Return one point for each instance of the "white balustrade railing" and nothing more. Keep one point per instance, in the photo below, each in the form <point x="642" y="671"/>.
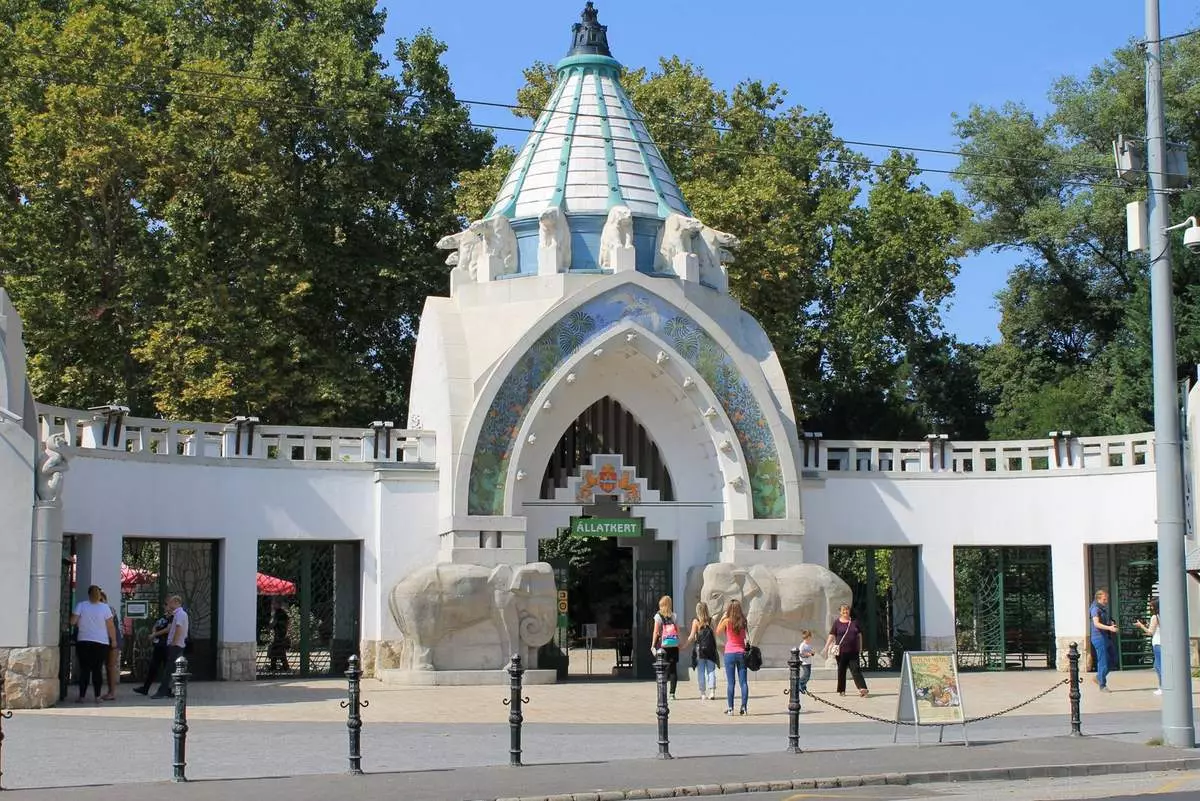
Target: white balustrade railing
<point x="1132" y="452"/>
<point x="114" y="432"/>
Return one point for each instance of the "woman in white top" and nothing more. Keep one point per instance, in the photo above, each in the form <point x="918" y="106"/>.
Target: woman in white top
<point x="666" y="637"/>
<point x="1151" y="629"/>
<point x="96" y="635"/>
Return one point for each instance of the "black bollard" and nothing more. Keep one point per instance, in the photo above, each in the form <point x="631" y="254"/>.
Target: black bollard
<point x="1074" y="694"/>
<point x="660" y="676"/>
<point x="515" y="718"/>
<point x="4" y="715"/>
<point x="353" y="718"/>
<point x="180" y="728"/>
<point x="793" y="692"/>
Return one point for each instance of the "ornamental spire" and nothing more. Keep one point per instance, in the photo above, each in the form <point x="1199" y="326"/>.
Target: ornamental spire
<point x="591" y="38"/>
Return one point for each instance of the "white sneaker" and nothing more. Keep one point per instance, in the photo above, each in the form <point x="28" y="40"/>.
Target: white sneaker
<point x="1158" y="692"/>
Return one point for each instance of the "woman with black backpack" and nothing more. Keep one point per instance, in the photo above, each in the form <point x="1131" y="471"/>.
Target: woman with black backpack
<point x="704" y="654"/>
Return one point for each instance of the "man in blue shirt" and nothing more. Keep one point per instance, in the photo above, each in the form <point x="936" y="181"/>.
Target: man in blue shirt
<point x="1103" y="641"/>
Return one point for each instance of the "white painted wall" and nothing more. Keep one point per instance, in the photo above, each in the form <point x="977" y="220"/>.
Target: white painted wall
<point x="939" y="511"/>
<point x="16" y="531"/>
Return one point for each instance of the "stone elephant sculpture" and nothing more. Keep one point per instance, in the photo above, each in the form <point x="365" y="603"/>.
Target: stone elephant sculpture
<point x="435" y="602"/>
<point x="794" y="597"/>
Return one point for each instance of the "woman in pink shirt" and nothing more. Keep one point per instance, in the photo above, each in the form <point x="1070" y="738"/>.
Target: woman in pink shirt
<point x="733" y="627"/>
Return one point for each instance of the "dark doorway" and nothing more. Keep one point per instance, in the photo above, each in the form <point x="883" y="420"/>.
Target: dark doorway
<point x="66" y="649"/>
<point x="886" y="601"/>
<point x="1129" y="571"/>
<point x="1004" y="608"/>
<point x="613" y="585"/>
<point x="151" y="572"/>
<point x="308" y="608"/>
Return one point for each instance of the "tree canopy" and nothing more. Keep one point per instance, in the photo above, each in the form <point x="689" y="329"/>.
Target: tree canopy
<point x="216" y="209"/>
<point x="1075" y="333"/>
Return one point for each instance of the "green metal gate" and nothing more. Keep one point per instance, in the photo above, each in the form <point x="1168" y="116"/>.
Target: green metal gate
<point x="308" y="608"/>
<point x="153" y="570"/>
<point x="886" y="601"/>
<point x="1004" y="608"/>
<point x="1129" y="571"/>
<point x="651" y="581"/>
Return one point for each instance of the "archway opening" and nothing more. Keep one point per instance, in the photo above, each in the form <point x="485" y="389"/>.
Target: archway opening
<point x="605" y="464"/>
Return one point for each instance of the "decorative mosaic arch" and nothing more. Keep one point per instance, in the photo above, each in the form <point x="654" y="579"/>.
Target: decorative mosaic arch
<point x="574" y="332"/>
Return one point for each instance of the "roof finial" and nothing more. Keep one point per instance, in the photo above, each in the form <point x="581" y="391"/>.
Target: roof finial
<point x="591" y="38"/>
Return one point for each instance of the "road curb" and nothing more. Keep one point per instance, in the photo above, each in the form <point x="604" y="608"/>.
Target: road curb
<point x="875" y="779"/>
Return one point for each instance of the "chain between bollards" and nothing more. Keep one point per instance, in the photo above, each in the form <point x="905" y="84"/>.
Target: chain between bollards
<point x="180" y="729"/>
<point x="515" y="718"/>
<point x="793" y="693"/>
<point x="660" y="677"/>
<point x="4" y="715"/>
<point x="353" y="718"/>
<point x="1074" y="694"/>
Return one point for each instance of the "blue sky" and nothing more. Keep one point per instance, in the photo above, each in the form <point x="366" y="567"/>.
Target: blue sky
<point x="889" y="72"/>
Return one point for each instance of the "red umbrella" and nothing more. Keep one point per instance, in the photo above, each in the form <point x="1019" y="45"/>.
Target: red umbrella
<point x="131" y="577"/>
<point x="270" y="585"/>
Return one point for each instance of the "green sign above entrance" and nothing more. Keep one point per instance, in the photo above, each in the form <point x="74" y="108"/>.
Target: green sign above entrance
<point x="606" y="527"/>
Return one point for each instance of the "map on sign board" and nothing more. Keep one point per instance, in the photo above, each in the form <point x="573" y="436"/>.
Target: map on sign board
<point x="930" y="693"/>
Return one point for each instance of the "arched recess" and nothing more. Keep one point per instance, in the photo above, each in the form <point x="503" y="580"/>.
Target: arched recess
<point x="666" y="395"/>
<point x="734" y="379"/>
<point x="606" y="427"/>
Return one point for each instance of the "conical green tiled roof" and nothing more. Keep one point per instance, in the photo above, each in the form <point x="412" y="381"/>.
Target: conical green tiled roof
<point x="589" y="150"/>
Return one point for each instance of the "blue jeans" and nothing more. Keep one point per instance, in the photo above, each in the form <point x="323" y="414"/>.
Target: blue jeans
<point x="706" y="676"/>
<point x="805" y="675"/>
<point x="1106" y="658"/>
<point x="1158" y="662"/>
<point x="736" y="663"/>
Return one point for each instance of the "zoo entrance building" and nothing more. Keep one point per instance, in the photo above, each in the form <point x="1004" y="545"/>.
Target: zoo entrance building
<point x="588" y="376"/>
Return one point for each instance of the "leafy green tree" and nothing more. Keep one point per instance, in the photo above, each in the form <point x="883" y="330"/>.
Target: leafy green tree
<point x="214" y="210"/>
<point x="1074" y="324"/>
<point x="844" y="263"/>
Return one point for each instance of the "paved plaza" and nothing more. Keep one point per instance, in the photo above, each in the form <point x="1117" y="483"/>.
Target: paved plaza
<point x="294" y="728"/>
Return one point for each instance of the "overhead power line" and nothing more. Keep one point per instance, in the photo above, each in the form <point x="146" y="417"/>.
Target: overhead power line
<point x="864" y="163"/>
<point x="1069" y="165"/>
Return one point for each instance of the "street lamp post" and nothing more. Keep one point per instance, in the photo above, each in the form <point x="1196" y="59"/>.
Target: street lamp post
<point x="1178" y="726"/>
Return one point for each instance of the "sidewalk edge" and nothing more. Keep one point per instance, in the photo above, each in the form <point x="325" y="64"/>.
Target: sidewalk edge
<point x="876" y="779"/>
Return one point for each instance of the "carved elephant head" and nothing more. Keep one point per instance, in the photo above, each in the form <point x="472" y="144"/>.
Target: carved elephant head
<point x="754" y="587"/>
<point x="528" y="590"/>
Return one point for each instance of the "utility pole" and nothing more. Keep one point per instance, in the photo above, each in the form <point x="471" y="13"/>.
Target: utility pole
<point x="1178" y="726"/>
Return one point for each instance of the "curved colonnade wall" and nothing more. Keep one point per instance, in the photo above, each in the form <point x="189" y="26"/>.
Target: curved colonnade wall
<point x="379" y="487"/>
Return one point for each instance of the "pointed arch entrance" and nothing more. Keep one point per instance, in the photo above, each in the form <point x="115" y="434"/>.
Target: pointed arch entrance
<point x="604" y="465"/>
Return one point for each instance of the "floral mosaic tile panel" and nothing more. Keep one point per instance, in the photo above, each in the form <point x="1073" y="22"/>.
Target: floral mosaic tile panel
<point x="497" y="438"/>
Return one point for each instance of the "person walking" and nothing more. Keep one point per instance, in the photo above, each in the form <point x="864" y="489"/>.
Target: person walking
<point x="158" y="653"/>
<point x="277" y="650"/>
<point x="113" y="662"/>
<point x="734" y="628"/>
<point x="704" y="641"/>
<point x="1103" y="641"/>
<point x="177" y="634"/>
<point x="845" y="644"/>
<point x="1151" y="629"/>
<point x="666" y="637"/>
<point x="96" y="636"/>
<point x="806" y="658"/>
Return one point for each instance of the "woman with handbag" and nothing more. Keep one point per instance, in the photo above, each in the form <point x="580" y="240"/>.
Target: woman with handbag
<point x="845" y="645"/>
<point x="734" y="627"/>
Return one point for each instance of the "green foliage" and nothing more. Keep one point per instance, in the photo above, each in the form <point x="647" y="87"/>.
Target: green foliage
<point x="845" y="265"/>
<point x="199" y="245"/>
<point x="1075" y="351"/>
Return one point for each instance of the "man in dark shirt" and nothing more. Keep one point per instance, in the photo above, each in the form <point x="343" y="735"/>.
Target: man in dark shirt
<point x="158" y="654"/>
<point x="1103" y="639"/>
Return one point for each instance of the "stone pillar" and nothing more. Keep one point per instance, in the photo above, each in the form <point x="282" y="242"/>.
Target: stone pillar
<point x="238" y="621"/>
<point x="45" y="575"/>
<point x="937" y="597"/>
<point x="1069" y="583"/>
